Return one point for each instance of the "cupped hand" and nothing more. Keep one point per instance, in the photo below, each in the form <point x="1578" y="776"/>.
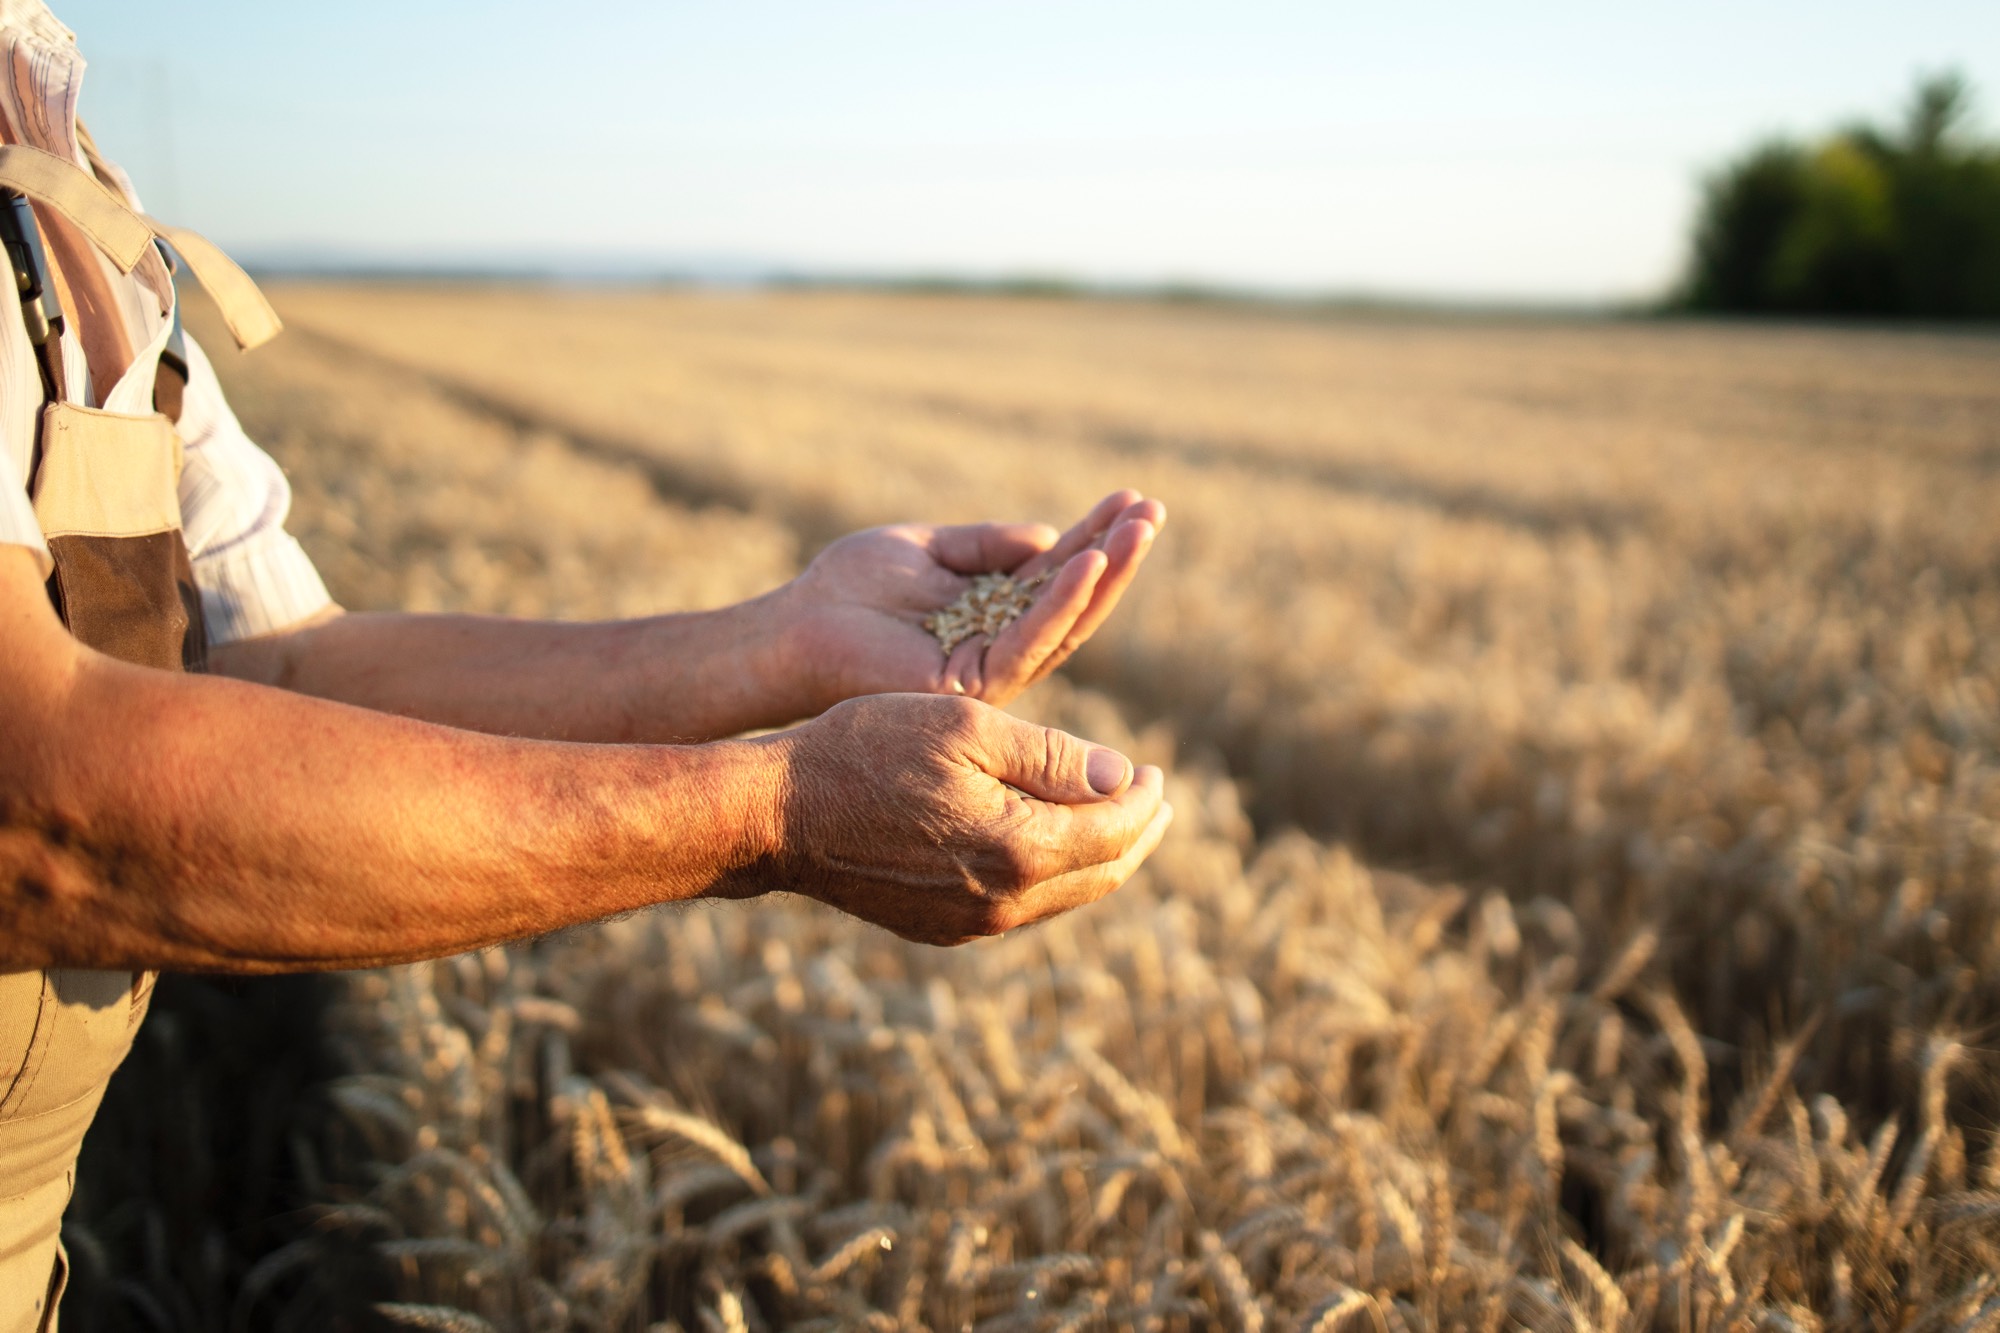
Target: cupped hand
<point x="944" y="820"/>
<point x="858" y="611"/>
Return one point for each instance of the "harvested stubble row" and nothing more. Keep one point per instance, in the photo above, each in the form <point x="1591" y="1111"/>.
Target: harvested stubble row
<point x="1625" y="629"/>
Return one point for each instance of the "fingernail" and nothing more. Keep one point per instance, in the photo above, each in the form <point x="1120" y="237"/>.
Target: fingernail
<point x="1106" y="771"/>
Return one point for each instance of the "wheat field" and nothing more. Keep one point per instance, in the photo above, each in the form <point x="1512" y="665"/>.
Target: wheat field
<point x="1582" y="913"/>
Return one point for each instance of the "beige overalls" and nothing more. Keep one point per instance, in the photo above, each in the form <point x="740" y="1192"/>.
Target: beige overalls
<point x="105" y="490"/>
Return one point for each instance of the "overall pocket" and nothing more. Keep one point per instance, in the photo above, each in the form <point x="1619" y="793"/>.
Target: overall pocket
<point x="106" y="493"/>
<point x="107" y="497"/>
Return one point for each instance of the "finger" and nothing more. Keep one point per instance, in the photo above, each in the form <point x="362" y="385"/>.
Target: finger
<point x="980" y="548"/>
<point x="964" y="670"/>
<point x="1079" y="888"/>
<point x="1093" y="525"/>
<point x="1060" y="839"/>
<point x="1124" y="551"/>
<point x="1050" y="765"/>
<point x="1019" y="650"/>
<point x="1145" y="511"/>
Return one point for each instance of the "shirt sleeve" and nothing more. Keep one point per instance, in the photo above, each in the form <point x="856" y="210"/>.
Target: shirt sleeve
<point x="20" y="406"/>
<point x="17" y="516"/>
<point x="254" y="577"/>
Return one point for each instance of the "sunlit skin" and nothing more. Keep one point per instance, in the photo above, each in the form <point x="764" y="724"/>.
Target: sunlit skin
<point x="376" y="788"/>
<point x="866" y="596"/>
<point x="851" y="624"/>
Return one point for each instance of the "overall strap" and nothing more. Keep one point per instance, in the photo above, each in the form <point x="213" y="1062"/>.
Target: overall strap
<point x="170" y="376"/>
<point x="251" y="320"/>
<point x="123" y="236"/>
<point x="103" y="483"/>
<point x="73" y="192"/>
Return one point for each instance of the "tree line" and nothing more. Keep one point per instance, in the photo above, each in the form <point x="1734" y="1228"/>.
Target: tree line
<point x="1884" y="222"/>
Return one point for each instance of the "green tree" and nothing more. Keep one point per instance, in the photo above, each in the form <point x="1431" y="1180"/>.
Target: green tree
<point x="1865" y="222"/>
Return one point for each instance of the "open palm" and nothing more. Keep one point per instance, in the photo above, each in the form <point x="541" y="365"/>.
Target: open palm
<point x="861" y="604"/>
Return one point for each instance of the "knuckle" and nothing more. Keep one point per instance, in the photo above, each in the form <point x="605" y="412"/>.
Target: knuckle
<point x="960" y="713"/>
<point x="942" y="721"/>
<point x="991" y="918"/>
<point x="1016" y="867"/>
<point x="1058" y="755"/>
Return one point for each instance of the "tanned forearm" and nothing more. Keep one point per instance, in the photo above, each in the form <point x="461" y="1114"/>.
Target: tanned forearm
<point x="663" y="679"/>
<point x="157" y="821"/>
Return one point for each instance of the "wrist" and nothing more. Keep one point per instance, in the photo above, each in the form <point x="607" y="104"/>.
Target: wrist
<point x="704" y="674"/>
<point x="750" y="784"/>
<point x="802" y="671"/>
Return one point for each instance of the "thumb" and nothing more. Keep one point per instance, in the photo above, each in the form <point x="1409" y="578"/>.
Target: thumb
<point x="1053" y="765"/>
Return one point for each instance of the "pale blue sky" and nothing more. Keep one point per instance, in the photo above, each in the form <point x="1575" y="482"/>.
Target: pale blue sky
<point x="1539" y="151"/>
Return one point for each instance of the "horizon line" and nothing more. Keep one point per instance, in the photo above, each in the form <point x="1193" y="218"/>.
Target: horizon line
<point x="1025" y="283"/>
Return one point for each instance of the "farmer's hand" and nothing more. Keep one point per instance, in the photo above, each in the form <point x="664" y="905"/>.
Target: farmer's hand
<point x="857" y="613"/>
<point x="945" y="820"/>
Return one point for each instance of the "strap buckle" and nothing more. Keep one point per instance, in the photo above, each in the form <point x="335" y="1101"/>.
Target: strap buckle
<point x="40" y="306"/>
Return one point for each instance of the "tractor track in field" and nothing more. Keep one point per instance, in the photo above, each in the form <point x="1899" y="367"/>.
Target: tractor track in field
<point x="816" y="523"/>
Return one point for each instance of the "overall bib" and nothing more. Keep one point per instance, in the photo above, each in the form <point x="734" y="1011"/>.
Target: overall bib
<point x="106" y="492"/>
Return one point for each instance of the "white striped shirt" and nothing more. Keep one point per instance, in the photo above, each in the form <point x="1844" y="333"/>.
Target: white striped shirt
<point x="254" y="577"/>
